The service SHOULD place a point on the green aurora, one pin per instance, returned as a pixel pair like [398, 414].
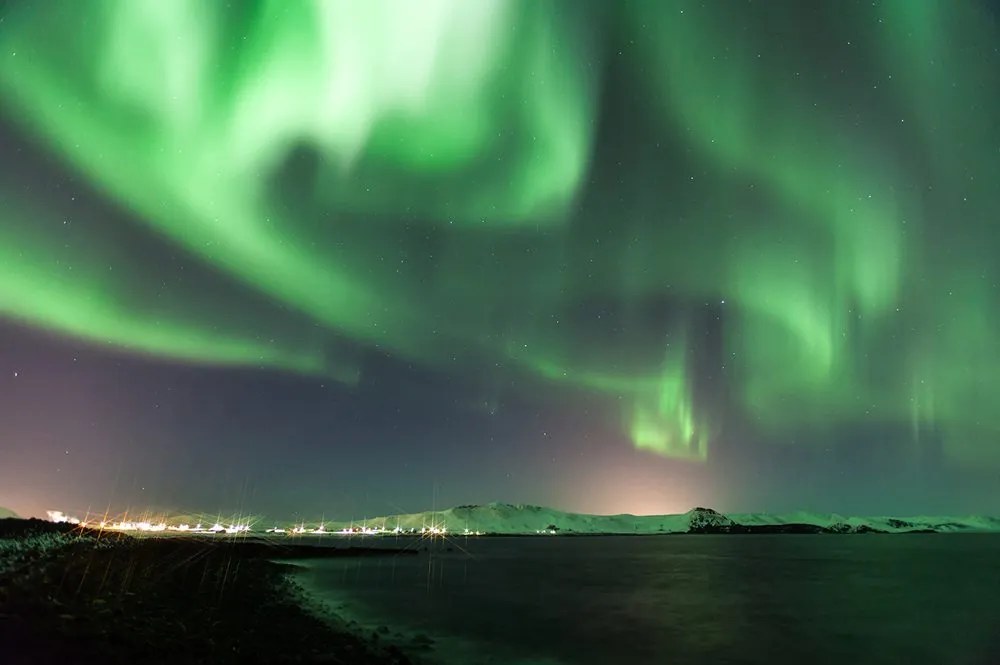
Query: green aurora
[444, 182]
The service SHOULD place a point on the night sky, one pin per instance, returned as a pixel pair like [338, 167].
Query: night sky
[340, 259]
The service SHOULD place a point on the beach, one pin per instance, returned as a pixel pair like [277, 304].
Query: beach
[69, 595]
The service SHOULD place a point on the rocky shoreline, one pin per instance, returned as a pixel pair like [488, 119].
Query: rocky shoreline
[78, 596]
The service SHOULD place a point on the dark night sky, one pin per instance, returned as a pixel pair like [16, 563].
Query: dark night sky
[341, 260]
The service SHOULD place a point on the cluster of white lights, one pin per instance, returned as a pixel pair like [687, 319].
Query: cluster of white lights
[162, 526]
[365, 530]
[433, 530]
[148, 526]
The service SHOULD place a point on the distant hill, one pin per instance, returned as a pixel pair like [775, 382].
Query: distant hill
[834, 523]
[519, 519]
[6, 512]
[504, 518]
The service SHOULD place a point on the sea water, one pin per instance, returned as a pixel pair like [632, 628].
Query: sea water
[785, 599]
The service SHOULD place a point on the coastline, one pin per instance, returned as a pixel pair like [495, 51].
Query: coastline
[414, 647]
[422, 645]
[72, 595]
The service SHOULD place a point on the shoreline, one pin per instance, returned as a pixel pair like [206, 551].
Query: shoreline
[70, 595]
[417, 646]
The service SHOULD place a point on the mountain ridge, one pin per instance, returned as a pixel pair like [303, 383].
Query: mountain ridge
[521, 519]
[498, 518]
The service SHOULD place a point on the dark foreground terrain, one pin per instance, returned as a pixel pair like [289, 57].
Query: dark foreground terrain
[73, 596]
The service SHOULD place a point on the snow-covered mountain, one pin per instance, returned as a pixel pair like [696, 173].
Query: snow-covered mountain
[505, 518]
[845, 524]
[519, 519]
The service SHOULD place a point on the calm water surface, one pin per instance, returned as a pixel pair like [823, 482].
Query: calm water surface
[914, 599]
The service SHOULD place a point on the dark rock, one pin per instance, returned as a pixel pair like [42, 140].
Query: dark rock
[840, 527]
[706, 520]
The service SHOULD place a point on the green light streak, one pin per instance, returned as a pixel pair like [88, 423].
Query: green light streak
[667, 425]
[46, 287]
[430, 181]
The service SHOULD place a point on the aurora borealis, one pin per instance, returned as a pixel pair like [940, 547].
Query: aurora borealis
[718, 230]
